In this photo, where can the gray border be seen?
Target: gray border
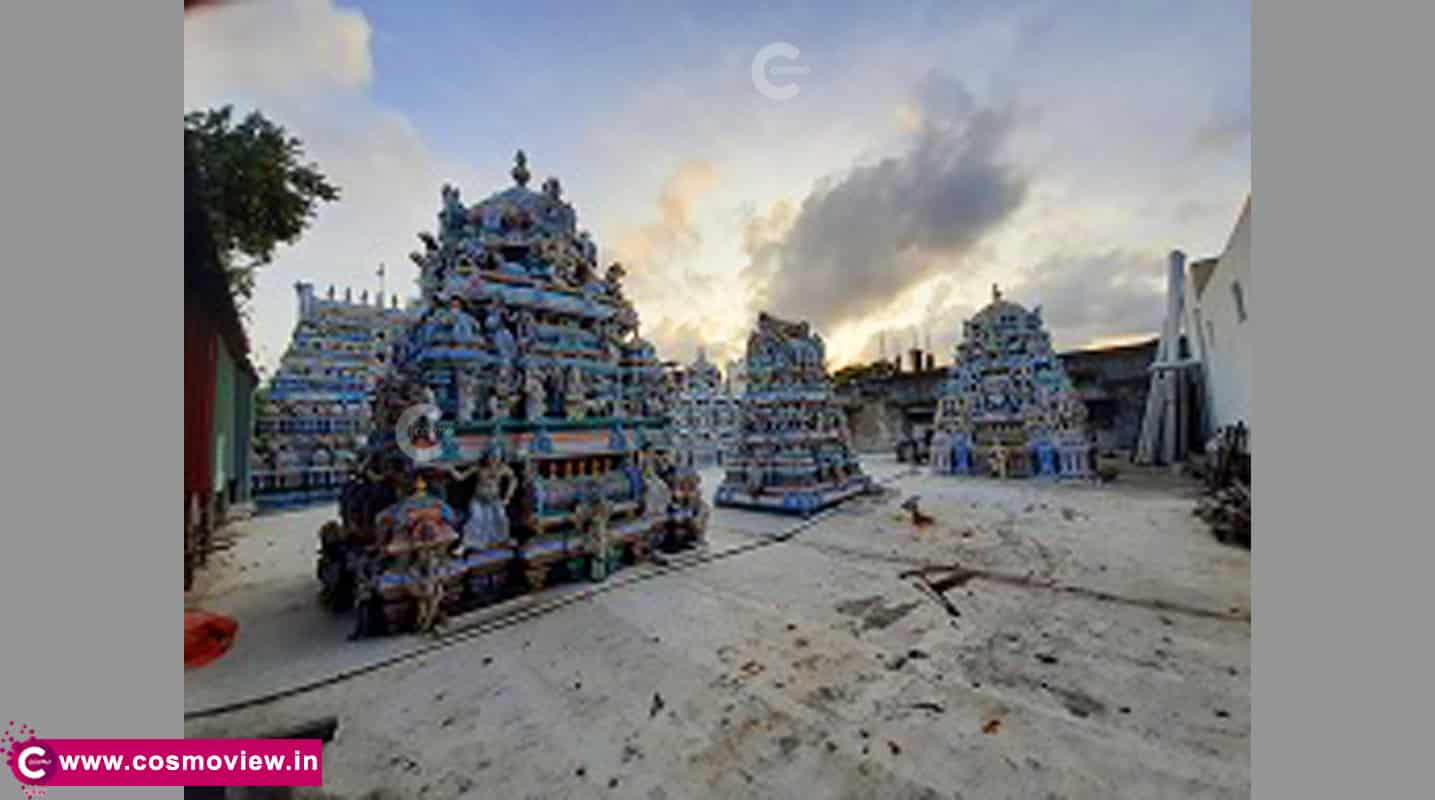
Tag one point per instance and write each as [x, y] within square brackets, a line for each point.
[91, 592]
[1337, 666]
[90, 572]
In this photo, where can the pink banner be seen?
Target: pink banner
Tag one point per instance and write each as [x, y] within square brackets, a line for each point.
[168, 762]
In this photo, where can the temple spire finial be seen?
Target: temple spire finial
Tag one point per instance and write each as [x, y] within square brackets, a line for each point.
[520, 169]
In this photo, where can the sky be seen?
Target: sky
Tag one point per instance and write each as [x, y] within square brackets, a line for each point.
[930, 150]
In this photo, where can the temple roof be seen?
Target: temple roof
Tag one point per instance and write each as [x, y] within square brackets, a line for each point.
[545, 208]
[999, 307]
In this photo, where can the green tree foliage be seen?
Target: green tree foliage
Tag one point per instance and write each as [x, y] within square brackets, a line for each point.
[255, 187]
[856, 373]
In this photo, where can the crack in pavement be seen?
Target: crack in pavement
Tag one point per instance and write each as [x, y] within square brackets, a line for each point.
[958, 575]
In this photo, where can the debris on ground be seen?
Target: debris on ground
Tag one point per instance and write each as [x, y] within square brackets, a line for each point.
[918, 518]
[207, 636]
[992, 726]
[1228, 512]
[1226, 505]
[657, 706]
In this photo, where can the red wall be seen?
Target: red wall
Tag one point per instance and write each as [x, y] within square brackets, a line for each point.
[201, 343]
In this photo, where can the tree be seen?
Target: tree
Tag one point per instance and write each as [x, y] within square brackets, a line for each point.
[254, 187]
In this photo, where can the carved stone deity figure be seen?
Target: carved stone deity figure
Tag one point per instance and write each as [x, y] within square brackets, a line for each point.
[487, 526]
[500, 395]
[941, 452]
[535, 396]
[426, 588]
[657, 495]
[503, 340]
[596, 532]
[998, 460]
[462, 328]
[575, 395]
[961, 456]
[597, 405]
[613, 280]
[527, 331]
[454, 217]
[466, 383]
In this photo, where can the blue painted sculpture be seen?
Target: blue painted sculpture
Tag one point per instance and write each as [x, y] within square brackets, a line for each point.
[313, 416]
[1008, 407]
[792, 451]
[705, 414]
[553, 414]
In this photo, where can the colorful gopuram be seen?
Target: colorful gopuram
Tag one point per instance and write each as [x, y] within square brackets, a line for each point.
[792, 451]
[1008, 408]
[522, 433]
[313, 417]
[705, 413]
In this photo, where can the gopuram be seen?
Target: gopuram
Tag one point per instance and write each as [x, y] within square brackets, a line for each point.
[792, 451]
[313, 418]
[705, 414]
[521, 435]
[1008, 408]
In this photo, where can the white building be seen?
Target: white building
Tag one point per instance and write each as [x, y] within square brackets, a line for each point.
[1218, 326]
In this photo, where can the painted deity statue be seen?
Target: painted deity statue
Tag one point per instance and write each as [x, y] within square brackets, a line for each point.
[527, 336]
[941, 452]
[575, 395]
[466, 381]
[593, 515]
[487, 526]
[462, 328]
[657, 496]
[998, 458]
[613, 280]
[454, 216]
[535, 397]
[503, 340]
[500, 395]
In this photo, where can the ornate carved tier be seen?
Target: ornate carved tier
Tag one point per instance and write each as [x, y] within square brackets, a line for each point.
[1008, 407]
[527, 359]
[312, 418]
[792, 451]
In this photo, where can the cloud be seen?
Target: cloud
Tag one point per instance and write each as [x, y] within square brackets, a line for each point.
[676, 301]
[644, 249]
[1086, 298]
[679, 341]
[295, 47]
[860, 240]
[306, 64]
[1229, 121]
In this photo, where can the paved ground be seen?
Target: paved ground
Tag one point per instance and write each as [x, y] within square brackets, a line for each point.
[1080, 642]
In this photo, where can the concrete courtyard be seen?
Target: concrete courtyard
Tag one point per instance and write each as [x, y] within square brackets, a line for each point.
[1035, 640]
